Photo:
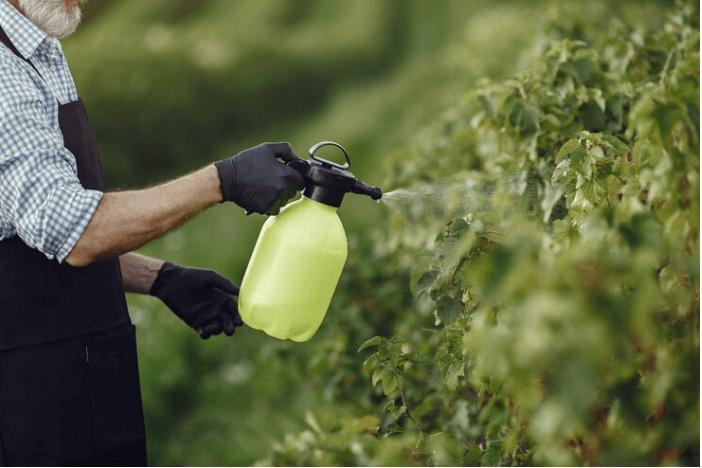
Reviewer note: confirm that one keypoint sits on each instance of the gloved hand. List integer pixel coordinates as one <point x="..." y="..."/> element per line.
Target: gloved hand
<point x="201" y="298"/>
<point x="255" y="180"/>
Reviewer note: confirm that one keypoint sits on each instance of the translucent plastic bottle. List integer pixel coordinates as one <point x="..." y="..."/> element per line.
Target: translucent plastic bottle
<point x="300" y="253"/>
<point x="294" y="270"/>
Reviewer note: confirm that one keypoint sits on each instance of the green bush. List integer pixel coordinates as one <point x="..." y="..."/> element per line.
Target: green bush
<point x="535" y="294"/>
<point x="169" y="84"/>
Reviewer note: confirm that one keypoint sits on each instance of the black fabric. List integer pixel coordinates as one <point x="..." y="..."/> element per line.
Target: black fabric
<point x="42" y="300"/>
<point x="130" y="454"/>
<point x="70" y="400"/>
<point x="69" y="381"/>
<point x="79" y="138"/>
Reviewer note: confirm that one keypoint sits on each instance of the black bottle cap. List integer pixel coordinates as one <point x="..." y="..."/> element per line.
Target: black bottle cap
<point x="327" y="182"/>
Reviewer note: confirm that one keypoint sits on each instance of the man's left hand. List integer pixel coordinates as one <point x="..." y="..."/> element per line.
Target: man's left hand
<point x="203" y="299"/>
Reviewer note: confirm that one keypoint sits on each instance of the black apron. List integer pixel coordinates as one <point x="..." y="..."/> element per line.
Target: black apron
<point x="69" y="382"/>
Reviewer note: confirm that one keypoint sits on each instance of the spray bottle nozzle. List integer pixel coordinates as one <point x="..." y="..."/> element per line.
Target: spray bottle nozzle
<point x="328" y="182"/>
<point x="362" y="189"/>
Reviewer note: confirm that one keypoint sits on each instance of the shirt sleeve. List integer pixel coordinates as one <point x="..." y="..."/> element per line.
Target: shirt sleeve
<point x="40" y="194"/>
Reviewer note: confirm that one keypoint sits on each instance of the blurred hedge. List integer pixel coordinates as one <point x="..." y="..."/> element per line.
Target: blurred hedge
<point x="548" y="230"/>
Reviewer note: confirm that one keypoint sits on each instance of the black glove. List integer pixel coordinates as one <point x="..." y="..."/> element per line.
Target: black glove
<point x="256" y="181"/>
<point x="201" y="298"/>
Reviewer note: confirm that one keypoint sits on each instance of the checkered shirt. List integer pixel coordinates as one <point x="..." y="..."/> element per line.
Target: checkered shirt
<point x="41" y="199"/>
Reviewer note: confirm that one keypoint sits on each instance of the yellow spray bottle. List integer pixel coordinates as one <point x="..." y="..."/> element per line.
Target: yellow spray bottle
<point x="299" y="255"/>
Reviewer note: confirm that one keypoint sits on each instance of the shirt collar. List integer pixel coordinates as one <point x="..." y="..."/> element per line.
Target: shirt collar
<point x="25" y="35"/>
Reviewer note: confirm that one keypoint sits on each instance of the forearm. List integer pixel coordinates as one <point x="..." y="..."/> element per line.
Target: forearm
<point x="139" y="272"/>
<point x="125" y="221"/>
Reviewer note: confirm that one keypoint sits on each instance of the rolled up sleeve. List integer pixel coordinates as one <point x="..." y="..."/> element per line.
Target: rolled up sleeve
<point x="41" y="198"/>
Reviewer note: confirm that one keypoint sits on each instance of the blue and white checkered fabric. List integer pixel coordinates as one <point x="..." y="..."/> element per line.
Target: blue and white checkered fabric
<point x="41" y="199"/>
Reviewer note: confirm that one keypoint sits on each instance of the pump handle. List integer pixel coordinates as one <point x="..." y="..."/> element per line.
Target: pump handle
<point x="330" y="163"/>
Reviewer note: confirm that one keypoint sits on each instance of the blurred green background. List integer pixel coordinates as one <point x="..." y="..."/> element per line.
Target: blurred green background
<point x="172" y="85"/>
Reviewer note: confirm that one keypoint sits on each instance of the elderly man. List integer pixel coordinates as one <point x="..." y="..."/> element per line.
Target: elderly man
<point x="69" y="387"/>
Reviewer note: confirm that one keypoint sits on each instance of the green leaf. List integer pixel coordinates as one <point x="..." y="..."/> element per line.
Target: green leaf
<point x="493" y="455"/>
<point x="395" y="410"/>
<point x="581" y="69"/>
<point x="473" y="456"/>
<point x="614" y="187"/>
<point x="390" y="379"/>
<point x="616" y="108"/>
<point x="552" y="194"/>
<point x="560" y="171"/>
<point x="567" y="148"/>
<point x="593" y="190"/>
<point x="392" y="383"/>
<point x="452" y="372"/>
<point x="596" y="153"/>
<point x="375" y="341"/>
<point x="580" y="162"/>
<point x="449" y="309"/>
<point x="449" y="359"/>
<point x="395" y="350"/>
<point x="381" y="374"/>
<point x="524" y="118"/>
<point x="592" y="117"/>
<point x="370" y="363"/>
<point x="459" y="226"/>
<point x="619" y="146"/>
<point x="426" y="282"/>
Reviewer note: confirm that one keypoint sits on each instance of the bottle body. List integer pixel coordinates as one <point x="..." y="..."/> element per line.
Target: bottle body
<point x="293" y="271"/>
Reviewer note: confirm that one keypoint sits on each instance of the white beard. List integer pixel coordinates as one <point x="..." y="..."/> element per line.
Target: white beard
<point x="51" y="16"/>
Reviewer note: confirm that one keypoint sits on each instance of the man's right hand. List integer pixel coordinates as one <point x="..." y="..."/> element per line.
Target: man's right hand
<point x="255" y="180"/>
